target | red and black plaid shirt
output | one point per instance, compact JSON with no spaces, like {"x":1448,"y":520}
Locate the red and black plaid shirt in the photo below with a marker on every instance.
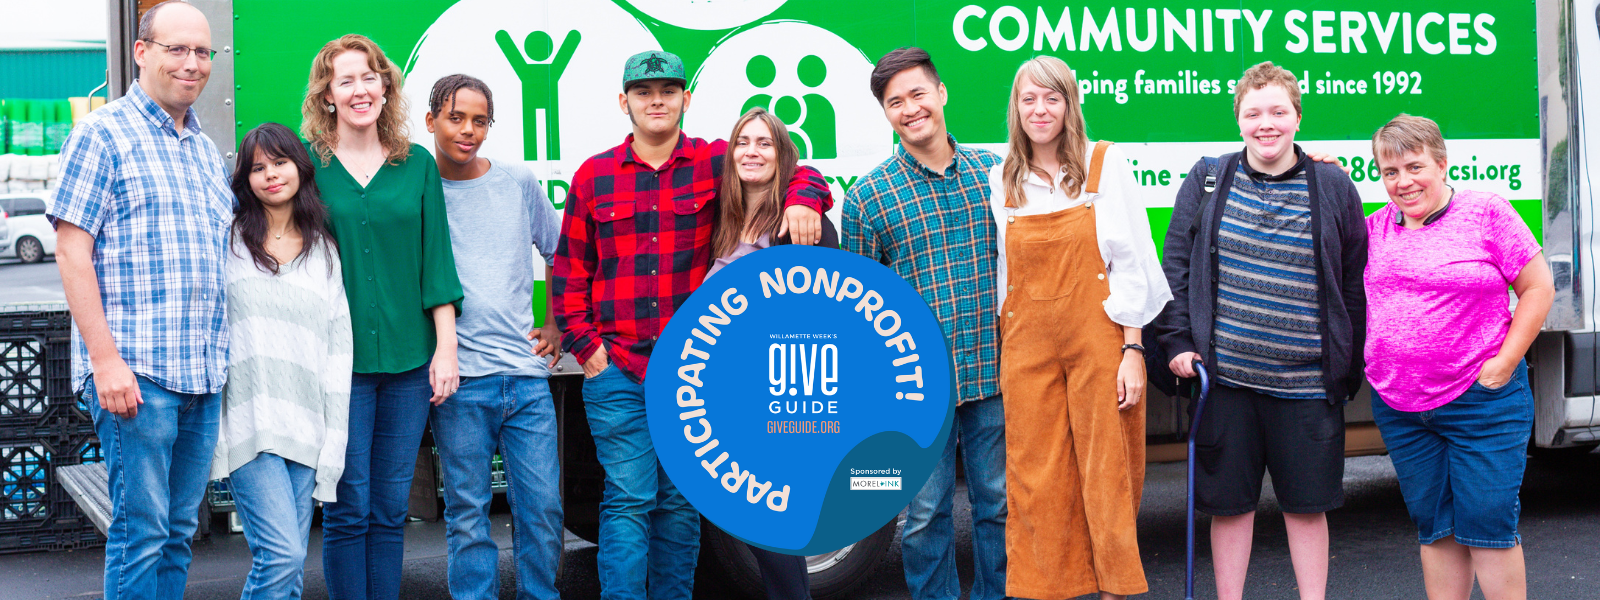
{"x":636,"y":241}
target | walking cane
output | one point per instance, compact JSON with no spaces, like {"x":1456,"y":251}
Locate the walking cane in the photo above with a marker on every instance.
{"x":1194,"y":425}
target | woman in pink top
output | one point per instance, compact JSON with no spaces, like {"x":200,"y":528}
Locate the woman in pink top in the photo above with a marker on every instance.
{"x":1444,"y":355}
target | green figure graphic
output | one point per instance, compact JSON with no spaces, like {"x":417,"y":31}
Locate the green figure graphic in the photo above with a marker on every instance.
{"x":539,"y":87}
{"x":811,"y":120}
{"x":821,"y":125}
{"x":793,"y":114}
{"x":761,"y":73}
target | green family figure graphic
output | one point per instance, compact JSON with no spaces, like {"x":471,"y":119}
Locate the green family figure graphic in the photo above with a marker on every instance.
{"x":539,"y":80}
{"x":811,"y":119}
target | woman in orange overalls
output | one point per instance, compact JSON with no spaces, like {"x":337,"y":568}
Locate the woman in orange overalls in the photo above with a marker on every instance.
{"x":1078,"y":279}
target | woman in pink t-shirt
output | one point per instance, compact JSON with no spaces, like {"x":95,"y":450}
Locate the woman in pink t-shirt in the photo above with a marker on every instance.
{"x":1444,"y":355}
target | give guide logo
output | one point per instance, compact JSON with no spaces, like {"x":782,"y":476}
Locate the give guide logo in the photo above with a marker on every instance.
{"x":555,"y":69}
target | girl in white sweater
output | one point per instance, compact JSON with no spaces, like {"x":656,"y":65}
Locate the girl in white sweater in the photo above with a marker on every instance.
{"x":285,"y":408}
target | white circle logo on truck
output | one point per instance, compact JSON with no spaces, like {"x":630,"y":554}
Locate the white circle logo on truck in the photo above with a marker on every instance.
{"x":813,"y":80}
{"x":541,"y":62}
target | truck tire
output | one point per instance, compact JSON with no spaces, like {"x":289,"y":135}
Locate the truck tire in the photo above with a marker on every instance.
{"x":1560,"y":455}
{"x":832,"y":575}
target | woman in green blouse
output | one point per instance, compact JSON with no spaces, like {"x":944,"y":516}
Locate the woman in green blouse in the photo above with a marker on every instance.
{"x":386,"y":210}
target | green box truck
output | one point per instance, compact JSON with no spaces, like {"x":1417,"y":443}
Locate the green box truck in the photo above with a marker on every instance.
{"x":1502,"y":78}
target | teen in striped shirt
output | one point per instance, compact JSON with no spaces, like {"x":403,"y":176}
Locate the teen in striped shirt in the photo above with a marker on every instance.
{"x":1266,"y":283}
{"x":287,"y":401}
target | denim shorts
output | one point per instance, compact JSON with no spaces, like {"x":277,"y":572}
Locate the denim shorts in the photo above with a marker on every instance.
{"x":1461,"y":464}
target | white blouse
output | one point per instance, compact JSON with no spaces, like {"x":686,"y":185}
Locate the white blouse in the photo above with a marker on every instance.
{"x":1138,"y":286}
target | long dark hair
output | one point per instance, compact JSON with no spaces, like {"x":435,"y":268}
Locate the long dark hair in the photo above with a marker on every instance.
{"x":767,"y":216}
{"x":250,"y":218}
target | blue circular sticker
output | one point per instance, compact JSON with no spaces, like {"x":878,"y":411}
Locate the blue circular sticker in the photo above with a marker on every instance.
{"x":800,"y":398}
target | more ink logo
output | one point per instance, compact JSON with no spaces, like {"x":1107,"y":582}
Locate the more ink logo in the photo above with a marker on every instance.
{"x":807,"y":76}
{"x":792,"y":380}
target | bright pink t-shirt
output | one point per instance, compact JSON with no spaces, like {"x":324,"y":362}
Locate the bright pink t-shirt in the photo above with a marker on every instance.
{"x":1437,"y":305}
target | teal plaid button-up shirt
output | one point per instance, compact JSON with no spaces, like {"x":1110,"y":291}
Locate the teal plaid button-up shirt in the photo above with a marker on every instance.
{"x":935,"y":231}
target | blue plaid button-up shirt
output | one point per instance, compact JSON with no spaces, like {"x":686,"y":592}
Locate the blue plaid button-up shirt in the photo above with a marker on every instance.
{"x":158,"y":205}
{"x":934,"y":230}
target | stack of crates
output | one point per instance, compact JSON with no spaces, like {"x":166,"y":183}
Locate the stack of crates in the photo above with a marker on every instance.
{"x":42,"y":426}
{"x":497,"y":473}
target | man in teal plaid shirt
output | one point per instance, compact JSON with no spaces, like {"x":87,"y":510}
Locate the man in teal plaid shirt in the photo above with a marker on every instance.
{"x":924,"y":213}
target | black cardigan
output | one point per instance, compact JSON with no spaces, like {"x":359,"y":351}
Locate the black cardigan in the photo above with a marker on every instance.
{"x":1339,"y":240}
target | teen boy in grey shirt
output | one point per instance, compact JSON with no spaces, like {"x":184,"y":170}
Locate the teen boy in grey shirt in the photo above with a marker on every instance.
{"x":498,"y":216}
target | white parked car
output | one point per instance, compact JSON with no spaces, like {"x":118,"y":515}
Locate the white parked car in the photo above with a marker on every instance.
{"x":5,"y":231}
{"x":31,"y":238}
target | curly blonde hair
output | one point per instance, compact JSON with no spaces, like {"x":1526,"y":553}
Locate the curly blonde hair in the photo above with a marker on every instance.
{"x":320,"y":127}
{"x":1262,"y":75}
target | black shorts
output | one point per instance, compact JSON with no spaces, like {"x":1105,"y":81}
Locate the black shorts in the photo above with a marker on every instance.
{"x":1244,"y":433}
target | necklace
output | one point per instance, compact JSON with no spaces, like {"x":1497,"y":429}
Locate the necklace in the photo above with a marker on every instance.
{"x":365,"y":175}
{"x":360,"y":167}
{"x":287,"y":224}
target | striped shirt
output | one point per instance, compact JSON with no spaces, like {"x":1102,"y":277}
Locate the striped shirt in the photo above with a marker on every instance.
{"x":1269,"y":324}
{"x":288,"y":389}
{"x":157,"y":202}
{"x":934,"y":230}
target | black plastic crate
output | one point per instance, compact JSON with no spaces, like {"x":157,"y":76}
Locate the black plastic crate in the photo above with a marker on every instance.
{"x":25,"y":478}
{"x":50,"y":540}
{"x":58,"y":420}
{"x":35,"y":512}
{"x":35,"y":372}
{"x":219,"y":494}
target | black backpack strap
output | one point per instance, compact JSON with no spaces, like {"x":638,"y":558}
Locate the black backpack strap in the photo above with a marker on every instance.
{"x":1209,"y":185}
{"x":1212,"y":165}
{"x":1158,"y":375}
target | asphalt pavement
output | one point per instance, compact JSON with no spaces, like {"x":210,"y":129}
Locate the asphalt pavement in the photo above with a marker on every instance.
{"x":1374,"y":551}
{"x":38,"y":282}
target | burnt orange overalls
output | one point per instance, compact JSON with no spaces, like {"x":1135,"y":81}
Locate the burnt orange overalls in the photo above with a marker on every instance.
{"x":1074,"y":463}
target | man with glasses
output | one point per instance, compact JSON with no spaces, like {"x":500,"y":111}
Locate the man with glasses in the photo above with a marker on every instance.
{"x":142,"y":218}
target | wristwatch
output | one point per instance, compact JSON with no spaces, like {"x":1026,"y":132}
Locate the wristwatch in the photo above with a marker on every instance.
{"x":1127,"y":347}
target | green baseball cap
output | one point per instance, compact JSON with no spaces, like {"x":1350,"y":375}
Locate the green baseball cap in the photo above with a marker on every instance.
{"x":653,"y":64}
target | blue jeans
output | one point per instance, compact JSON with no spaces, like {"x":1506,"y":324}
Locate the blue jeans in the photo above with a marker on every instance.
{"x":158,"y":463}
{"x":646,"y":525}
{"x":273,"y":498}
{"x":928,"y":540}
{"x":1460,"y":465}
{"x":516,"y":416}
{"x":362,"y":540}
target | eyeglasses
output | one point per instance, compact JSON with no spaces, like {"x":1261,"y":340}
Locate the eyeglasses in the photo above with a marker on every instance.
{"x":182,"y":52}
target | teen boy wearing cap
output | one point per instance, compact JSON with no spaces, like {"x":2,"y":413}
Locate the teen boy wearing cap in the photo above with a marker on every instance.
{"x":924,"y":212}
{"x":635,"y":242}
{"x":498,"y":211}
